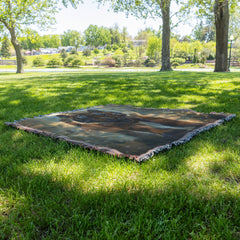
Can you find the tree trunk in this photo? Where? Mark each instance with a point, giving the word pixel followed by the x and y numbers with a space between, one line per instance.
pixel 17 48
pixel 165 8
pixel 221 12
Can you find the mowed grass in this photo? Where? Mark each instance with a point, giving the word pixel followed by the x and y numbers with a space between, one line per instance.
pixel 52 190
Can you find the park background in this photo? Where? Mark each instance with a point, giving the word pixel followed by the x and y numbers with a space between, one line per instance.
pixel 93 36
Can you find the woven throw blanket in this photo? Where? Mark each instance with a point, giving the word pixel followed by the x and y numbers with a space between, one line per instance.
pixel 125 131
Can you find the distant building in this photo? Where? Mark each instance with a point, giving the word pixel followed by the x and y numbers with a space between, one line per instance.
pixel 82 48
pixel 67 48
pixel 137 43
pixel 48 50
pixel 33 52
pixel 102 47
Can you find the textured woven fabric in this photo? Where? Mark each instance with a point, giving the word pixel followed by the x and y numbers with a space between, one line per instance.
pixel 137 133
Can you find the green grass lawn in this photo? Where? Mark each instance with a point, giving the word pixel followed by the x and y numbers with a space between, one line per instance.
pixel 52 190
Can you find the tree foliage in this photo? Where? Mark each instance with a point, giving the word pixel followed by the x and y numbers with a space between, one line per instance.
pixel 124 35
pixel 154 48
pixel 31 40
pixel 54 62
pixel 145 34
pixel 192 51
pixel 22 13
pixel 72 38
pixel 115 35
pixel 74 3
pixel 97 36
pixel 205 32
pixel 50 41
pixel 38 62
pixel 234 25
pixel 5 49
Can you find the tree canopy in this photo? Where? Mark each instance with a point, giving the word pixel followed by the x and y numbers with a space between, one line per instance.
pixel 71 38
pixel 97 36
pixel 234 25
pixel 22 13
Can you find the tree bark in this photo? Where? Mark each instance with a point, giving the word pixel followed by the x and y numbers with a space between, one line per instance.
pixel 221 12
pixel 165 9
pixel 17 48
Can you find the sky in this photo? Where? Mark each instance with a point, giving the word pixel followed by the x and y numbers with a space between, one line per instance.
pixel 88 13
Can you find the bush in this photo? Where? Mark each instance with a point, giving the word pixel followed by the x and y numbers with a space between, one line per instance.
pixel 115 46
pixel 195 56
pixel 105 52
pixel 153 48
pixel 97 62
pixel 125 50
pixel 122 45
pixel 203 59
pixel 195 59
pixel 74 51
pixel 109 48
pixel 73 61
pixel 130 63
pixel 96 50
pixel 150 62
pixel 54 62
pixel 118 52
pixel 178 60
pixel 235 54
pixel 119 60
pixel 63 54
pixel 109 61
pixel 86 52
pixel 131 46
pixel 68 60
pixel 180 54
pixel 24 60
pixel 76 62
pixel 126 58
pixel 138 62
pixel 175 64
pixel 211 57
pixel 38 62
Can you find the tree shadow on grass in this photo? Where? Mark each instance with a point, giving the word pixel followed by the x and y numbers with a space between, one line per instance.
pixel 74 92
pixel 46 203
pixel 43 205
pixel 70 91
